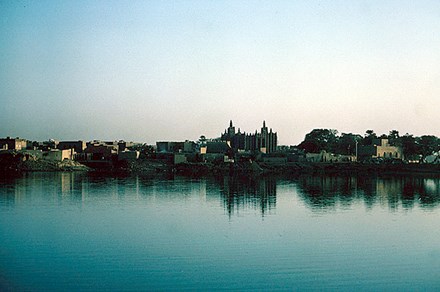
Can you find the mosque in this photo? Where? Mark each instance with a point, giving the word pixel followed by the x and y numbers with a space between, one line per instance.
pixel 264 141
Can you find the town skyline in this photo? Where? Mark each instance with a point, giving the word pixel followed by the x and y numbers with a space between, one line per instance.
pixel 148 71
pixel 225 134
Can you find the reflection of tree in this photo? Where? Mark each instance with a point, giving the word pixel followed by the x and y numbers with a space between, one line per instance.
pixel 248 193
pixel 320 192
pixel 235 193
pixel 325 191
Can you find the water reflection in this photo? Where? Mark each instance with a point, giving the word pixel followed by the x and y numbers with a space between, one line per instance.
pixel 236 195
pixel 327 192
pixel 55 187
pixel 246 193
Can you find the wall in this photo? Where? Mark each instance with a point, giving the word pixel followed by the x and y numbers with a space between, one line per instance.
pixel 389 152
pixel 59 155
pixel 79 146
pixel 13 144
pixel 101 152
pixel 323 156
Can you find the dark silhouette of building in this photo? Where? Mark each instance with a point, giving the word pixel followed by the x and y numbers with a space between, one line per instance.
pixel 79 145
pixel 265 141
pixel 9 143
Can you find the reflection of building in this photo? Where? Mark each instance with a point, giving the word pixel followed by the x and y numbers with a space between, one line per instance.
pixel 265 141
pixel 388 191
pixel 66 183
pixel 242 194
pixel 380 148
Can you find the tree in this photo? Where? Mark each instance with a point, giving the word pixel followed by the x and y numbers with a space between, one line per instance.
pixel 369 137
pixel 394 138
pixel 202 140
pixel 428 144
pixel 394 134
pixel 347 144
pixel 319 139
pixel 409 146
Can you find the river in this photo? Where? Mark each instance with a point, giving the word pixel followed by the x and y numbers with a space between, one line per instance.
pixel 79 231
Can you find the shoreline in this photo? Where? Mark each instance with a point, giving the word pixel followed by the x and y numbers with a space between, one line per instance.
pixel 153 168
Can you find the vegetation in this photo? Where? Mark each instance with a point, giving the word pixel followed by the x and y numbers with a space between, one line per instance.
pixel 330 141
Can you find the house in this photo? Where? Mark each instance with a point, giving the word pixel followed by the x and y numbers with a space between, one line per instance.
pixel 181 152
pixel 379 149
pixel 79 146
pixel 59 155
pixel 9 143
pixel 217 151
pixel 99 151
pixel 123 145
pixel 324 156
pixel 175 147
pixel 46 145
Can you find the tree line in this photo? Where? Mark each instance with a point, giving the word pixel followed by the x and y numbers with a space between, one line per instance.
pixel 331 141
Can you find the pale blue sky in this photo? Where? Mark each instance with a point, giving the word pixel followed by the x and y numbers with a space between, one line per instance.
pixel 159 70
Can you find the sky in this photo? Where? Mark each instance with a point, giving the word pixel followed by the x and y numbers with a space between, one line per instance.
pixel 146 71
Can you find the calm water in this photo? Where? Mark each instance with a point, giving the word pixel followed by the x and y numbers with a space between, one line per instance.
pixel 70 231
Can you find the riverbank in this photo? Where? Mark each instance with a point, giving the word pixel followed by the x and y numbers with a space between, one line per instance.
pixel 16 162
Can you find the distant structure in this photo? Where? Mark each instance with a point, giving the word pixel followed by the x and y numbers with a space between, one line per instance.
pixel 9 143
pixel 380 149
pixel 79 145
pixel 264 141
pixel 217 151
pixel 324 156
pixel 59 155
pixel 100 151
pixel 175 147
